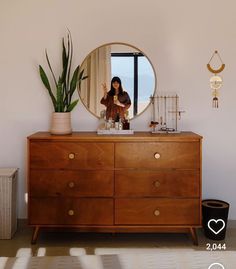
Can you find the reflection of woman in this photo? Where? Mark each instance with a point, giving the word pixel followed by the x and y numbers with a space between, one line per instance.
pixel 117 101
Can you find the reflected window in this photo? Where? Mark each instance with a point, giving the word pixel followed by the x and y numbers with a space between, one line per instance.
pixel 137 78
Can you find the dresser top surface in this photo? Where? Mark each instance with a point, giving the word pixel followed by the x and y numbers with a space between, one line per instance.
pixel 137 136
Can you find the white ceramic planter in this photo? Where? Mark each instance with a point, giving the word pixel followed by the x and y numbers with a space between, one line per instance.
pixel 61 123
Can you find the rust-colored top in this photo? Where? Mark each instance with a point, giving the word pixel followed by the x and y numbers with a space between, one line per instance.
pixel 112 109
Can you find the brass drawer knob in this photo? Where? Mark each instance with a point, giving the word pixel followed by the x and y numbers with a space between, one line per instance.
pixel 71 212
pixel 71 184
pixel 71 156
pixel 157 155
pixel 157 184
pixel 156 212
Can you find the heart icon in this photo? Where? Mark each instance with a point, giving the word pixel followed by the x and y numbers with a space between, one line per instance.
pixel 216 225
pixel 216 265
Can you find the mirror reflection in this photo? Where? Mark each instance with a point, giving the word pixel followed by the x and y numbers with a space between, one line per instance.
pixel 120 79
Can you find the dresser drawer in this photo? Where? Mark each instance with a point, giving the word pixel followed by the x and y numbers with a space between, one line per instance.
pixel 58 211
pixel 71 155
pixel 71 183
pixel 158 155
pixel 149 211
pixel 157 184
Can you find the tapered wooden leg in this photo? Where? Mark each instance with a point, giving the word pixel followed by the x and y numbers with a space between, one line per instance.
pixel 35 235
pixel 194 236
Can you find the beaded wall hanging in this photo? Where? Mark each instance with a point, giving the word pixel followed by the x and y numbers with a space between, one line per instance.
pixel 216 80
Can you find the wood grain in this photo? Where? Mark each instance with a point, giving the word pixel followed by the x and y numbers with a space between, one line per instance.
pixel 114 183
pixel 72 183
pixel 172 155
pixel 50 210
pixel 50 155
pixel 149 183
pixel 171 211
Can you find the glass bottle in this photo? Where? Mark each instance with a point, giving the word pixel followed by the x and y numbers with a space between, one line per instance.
pixel 126 123
pixel 117 119
pixel 109 124
pixel 102 120
pixel 120 126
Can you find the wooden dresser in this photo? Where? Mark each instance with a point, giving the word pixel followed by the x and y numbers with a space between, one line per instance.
pixel 131 183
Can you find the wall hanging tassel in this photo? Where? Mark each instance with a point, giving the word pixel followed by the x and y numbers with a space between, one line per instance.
pixel 215 81
pixel 215 94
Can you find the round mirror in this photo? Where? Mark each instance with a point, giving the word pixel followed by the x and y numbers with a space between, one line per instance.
pixel 134 71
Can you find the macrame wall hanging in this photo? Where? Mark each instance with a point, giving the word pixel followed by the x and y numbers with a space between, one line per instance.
pixel 215 80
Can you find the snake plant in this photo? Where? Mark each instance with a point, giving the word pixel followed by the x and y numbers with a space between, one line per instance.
pixel 64 87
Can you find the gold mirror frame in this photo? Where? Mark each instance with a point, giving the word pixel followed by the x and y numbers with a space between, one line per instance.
pixel 88 60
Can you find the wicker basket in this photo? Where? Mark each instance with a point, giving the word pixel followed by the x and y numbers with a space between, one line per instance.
pixel 8 214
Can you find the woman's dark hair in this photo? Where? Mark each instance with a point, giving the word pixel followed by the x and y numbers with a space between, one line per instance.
pixel 112 91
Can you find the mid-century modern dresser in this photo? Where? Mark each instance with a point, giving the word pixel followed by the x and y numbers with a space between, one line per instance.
pixel 115 183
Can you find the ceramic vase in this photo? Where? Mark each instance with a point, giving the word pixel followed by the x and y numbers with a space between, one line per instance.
pixel 61 123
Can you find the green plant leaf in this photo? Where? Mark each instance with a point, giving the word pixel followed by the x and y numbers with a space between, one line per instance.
pixel 50 68
pixel 70 55
pixel 73 82
pixel 65 85
pixel 65 59
pixel 72 105
pixel 47 85
pixel 81 77
pixel 60 107
pixel 81 74
pixel 44 78
pixel 64 56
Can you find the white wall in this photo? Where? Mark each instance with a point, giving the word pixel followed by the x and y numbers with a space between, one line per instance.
pixel 178 36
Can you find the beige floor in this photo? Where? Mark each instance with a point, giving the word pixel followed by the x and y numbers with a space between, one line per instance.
pixel 59 243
